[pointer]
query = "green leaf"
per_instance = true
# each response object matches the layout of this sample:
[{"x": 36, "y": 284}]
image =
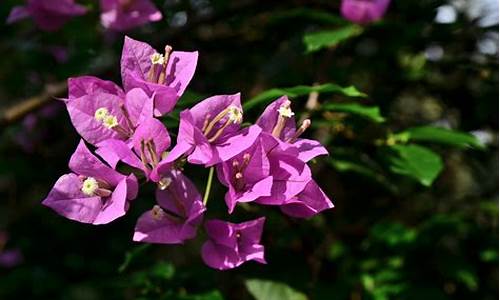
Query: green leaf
[
  {"x": 270, "y": 290},
  {"x": 329, "y": 38},
  {"x": 189, "y": 98},
  {"x": 172, "y": 119},
  {"x": 350, "y": 166},
  {"x": 308, "y": 14},
  {"x": 443, "y": 136},
  {"x": 162, "y": 270},
  {"x": 337, "y": 250},
  {"x": 213, "y": 295},
  {"x": 302, "y": 90},
  {"x": 416, "y": 162},
  {"x": 371, "y": 113},
  {"x": 468, "y": 278},
  {"x": 393, "y": 234},
  {"x": 368, "y": 282},
  {"x": 131, "y": 255},
  {"x": 489, "y": 255},
  {"x": 363, "y": 169}
]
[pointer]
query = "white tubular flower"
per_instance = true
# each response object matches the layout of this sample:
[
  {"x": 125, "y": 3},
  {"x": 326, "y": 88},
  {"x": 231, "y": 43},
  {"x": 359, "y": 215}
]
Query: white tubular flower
[
  {"x": 286, "y": 111},
  {"x": 101, "y": 113},
  {"x": 235, "y": 115},
  {"x": 110, "y": 121},
  {"x": 157, "y": 213},
  {"x": 157, "y": 59},
  {"x": 90, "y": 186}
]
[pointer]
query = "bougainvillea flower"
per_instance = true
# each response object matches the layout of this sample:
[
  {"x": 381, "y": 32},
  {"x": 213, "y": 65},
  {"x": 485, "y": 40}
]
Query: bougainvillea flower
[
  {"x": 102, "y": 115},
  {"x": 230, "y": 245},
  {"x": 94, "y": 193},
  {"x": 364, "y": 11},
  {"x": 9, "y": 258},
  {"x": 59, "y": 53},
  {"x": 278, "y": 120},
  {"x": 246, "y": 175},
  {"x": 122, "y": 15},
  {"x": 49, "y": 15},
  {"x": 290, "y": 173},
  {"x": 311, "y": 201},
  {"x": 144, "y": 151},
  {"x": 164, "y": 76},
  {"x": 209, "y": 132},
  {"x": 177, "y": 215}
]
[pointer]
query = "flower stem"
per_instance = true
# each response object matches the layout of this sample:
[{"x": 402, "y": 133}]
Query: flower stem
[{"x": 208, "y": 186}]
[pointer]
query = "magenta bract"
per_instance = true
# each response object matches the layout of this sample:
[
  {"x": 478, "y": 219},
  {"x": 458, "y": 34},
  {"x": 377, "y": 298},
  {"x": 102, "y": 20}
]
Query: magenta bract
[
  {"x": 309, "y": 202},
  {"x": 209, "y": 133},
  {"x": 177, "y": 215},
  {"x": 278, "y": 121},
  {"x": 247, "y": 175},
  {"x": 122, "y": 15},
  {"x": 162, "y": 76},
  {"x": 94, "y": 193},
  {"x": 101, "y": 111},
  {"x": 143, "y": 151},
  {"x": 230, "y": 245},
  {"x": 49, "y": 15}
]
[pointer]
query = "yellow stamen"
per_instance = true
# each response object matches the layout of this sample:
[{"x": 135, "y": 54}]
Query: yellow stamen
[
  {"x": 284, "y": 113},
  {"x": 163, "y": 73},
  {"x": 305, "y": 124},
  {"x": 234, "y": 116},
  {"x": 152, "y": 153},
  {"x": 125, "y": 113},
  {"x": 143, "y": 154},
  {"x": 219, "y": 131},
  {"x": 205, "y": 123},
  {"x": 157, "y": 59}
]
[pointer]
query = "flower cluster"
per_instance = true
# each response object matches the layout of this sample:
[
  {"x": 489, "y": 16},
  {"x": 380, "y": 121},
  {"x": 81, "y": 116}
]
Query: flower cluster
[
  {"x": 264, "y": 163},
  {"x": 119, "y": 15}
]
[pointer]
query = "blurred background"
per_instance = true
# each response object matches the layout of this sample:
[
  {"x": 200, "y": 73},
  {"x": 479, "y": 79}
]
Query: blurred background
[{"x": 408, "y": 107}]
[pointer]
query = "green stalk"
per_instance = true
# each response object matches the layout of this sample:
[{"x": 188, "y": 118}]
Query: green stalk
[{"x": 208, "y": 186}]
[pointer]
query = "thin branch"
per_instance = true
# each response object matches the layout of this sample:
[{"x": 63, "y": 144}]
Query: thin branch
[{"x": 18, "y": 111}]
